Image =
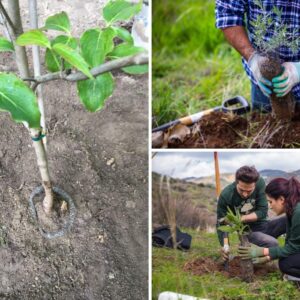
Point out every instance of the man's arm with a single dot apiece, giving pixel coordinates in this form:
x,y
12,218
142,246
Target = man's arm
x,y
249,218
238,38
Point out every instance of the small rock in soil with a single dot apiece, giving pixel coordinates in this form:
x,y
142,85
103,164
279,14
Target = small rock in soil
x,y
110,162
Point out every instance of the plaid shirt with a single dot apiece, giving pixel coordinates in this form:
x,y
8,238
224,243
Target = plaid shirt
x,y
241,12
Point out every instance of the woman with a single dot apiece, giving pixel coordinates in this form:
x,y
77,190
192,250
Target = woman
x,y
284,197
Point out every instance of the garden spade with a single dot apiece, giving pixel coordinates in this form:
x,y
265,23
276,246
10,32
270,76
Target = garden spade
x,y
237,105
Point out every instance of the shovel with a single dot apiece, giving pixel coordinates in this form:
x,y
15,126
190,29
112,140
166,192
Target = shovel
x,y
237,105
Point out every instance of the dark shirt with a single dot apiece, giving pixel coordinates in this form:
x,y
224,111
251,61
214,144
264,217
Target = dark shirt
x,y
230,197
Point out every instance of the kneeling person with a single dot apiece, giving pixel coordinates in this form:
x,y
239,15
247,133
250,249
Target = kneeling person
x,y
247,195
283,197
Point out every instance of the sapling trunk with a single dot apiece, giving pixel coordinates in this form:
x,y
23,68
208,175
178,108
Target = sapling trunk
x,y
33,15
13,10
282,107
246,265
43,167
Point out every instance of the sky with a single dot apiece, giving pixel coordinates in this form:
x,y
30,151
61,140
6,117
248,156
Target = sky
x,y
200,164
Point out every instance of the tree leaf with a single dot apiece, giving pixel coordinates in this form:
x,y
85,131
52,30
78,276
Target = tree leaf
x,y
58,22
123,34
73,57
95,44
33,37
6,45
120,10
126,50
138,69
53,60
18,99
94,92
226,229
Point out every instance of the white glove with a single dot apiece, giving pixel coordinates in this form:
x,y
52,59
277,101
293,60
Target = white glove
x,y
264,84
287,80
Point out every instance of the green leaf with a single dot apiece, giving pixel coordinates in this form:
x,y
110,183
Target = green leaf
x,y
33,37
123,34
6,45
18,99
226,229
127,50
73,57
53,61
93,93
120,10
138,69
58,22
95,44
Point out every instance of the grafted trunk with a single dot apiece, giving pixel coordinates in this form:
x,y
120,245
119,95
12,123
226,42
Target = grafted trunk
x,y
246,265
282,107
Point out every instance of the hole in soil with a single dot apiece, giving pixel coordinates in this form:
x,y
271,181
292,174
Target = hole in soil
x,y
201,266
57,218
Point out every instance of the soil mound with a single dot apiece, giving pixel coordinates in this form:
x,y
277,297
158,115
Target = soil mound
x,y
223,130
201,266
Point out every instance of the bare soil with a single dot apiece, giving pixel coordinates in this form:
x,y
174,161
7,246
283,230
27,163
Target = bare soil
x,y
101,160
201,266
223,130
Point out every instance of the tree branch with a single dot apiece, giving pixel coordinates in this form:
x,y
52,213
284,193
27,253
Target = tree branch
x,y
7,18
138,59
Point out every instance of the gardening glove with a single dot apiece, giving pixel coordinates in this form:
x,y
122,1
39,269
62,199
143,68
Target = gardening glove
x,y
224,221
263,83
287,80
251,251
225,254
261,260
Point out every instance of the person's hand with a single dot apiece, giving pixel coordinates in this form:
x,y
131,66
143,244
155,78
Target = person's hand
x,y
224,254
264,84
287,80
224,221
261,260
251,251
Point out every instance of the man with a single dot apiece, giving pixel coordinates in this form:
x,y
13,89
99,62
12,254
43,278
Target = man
x,y
230,17
247,195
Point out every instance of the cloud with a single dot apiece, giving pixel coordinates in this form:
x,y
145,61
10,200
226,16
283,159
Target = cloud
x,y
198,164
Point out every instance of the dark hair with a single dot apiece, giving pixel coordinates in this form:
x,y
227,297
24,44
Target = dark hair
x,y
247,174
287,188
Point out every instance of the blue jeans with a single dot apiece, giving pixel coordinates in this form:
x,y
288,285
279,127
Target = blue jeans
x,y
261,102
266,234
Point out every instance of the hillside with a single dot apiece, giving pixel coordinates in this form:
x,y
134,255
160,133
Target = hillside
x,y
192,199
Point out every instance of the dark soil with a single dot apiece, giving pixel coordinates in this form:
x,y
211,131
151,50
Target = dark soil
x,y
207,265
283,107
223,130
101,160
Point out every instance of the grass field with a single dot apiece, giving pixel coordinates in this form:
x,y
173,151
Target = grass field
x,y
168,275
193,67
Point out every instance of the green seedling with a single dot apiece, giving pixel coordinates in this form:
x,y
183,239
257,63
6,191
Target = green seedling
x,y
87,61
236,225
272,20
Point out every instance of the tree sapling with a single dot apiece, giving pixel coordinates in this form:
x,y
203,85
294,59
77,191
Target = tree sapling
x,y
236,225
270,66
87,60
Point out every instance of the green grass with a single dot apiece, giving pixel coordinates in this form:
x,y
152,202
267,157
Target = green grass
x,y
193,67
168,275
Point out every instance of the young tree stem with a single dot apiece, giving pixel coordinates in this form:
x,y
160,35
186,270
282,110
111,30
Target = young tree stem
x,y
33,16
13,10
43,167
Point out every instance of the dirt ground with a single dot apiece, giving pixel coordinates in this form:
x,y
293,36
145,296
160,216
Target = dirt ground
x,y
206,265
101,160
223,130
